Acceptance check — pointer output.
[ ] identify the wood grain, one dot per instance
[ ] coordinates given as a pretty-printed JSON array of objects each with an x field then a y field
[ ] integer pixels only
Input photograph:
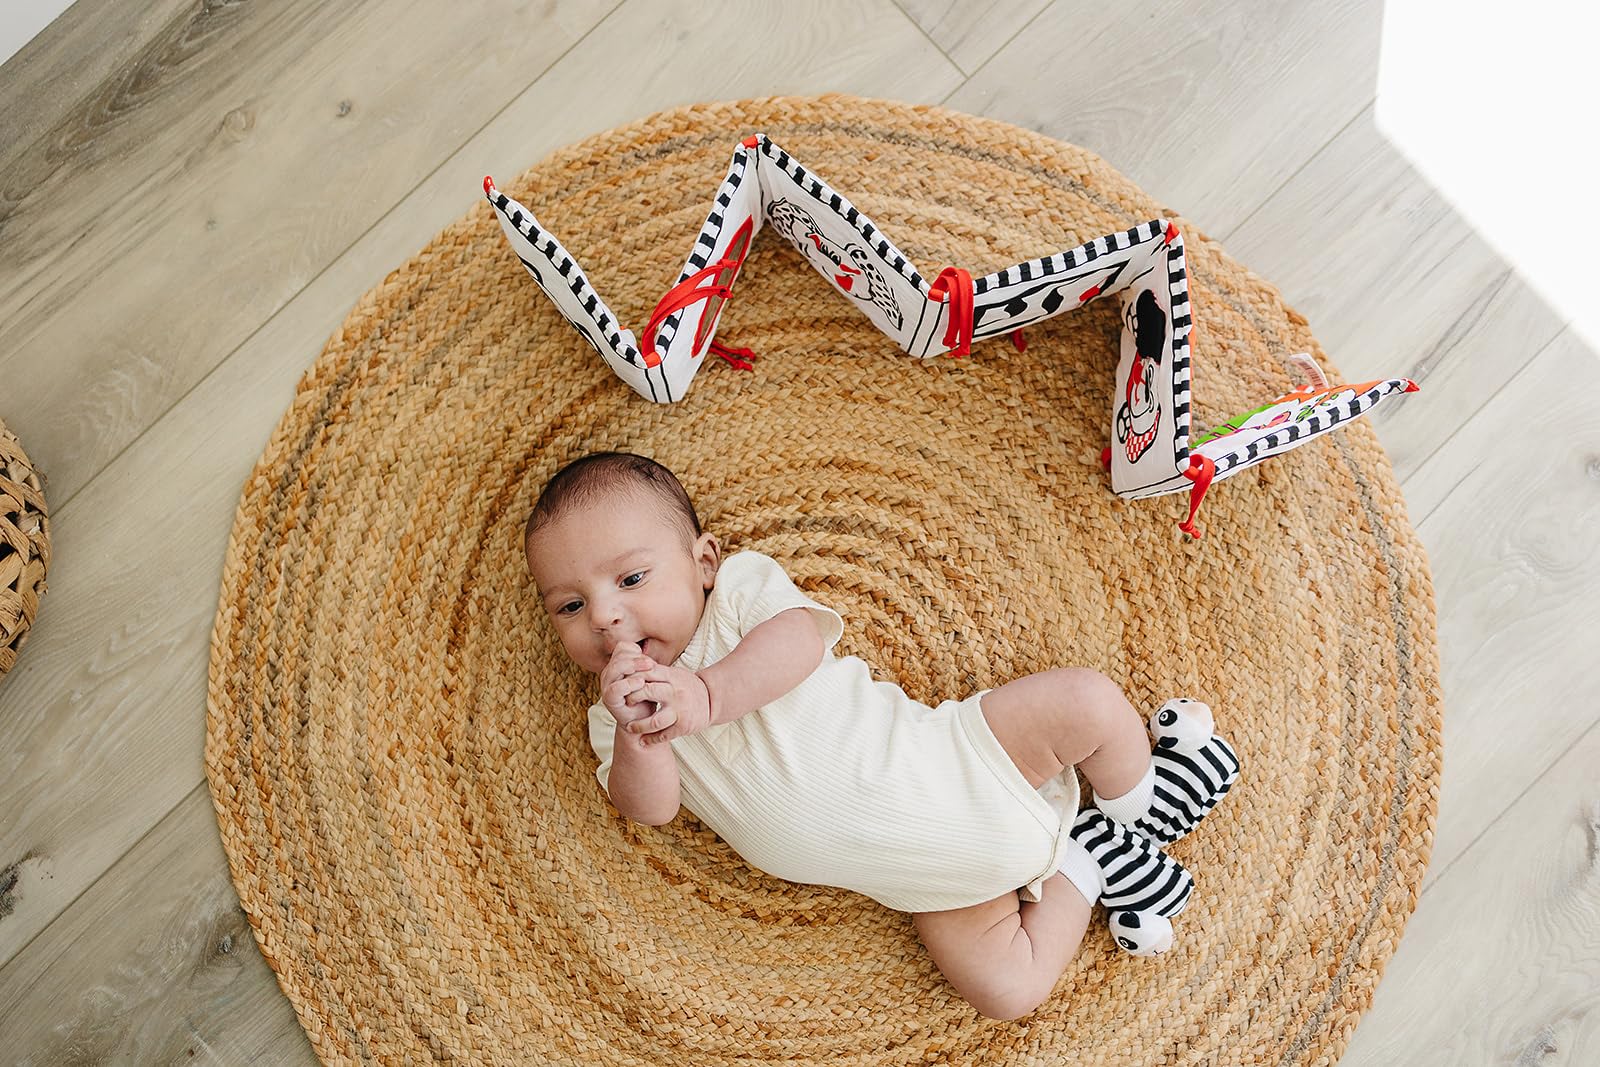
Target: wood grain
[
  {"x": 105, "y": 714},
  {"x": 1511, "y": 543},
  {"x": 190, "y": 193},
  {"x": 53, "y": 72},
  {"x": 157, "y": 354},
  {"x": 156, "y": 963},
  {"x": 1208, "y": 108},
  {"x": 1501, "y": 961},
  {"x": 970, "y": 34}
]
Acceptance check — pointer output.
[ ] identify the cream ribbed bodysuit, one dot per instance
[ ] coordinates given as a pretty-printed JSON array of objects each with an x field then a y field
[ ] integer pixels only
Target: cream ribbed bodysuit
[{"x": 846, "y": 781}]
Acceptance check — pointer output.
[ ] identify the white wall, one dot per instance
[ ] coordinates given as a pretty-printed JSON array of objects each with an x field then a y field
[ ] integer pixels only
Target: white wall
[
  {"x": 21, "y": 21},
  {"x": 1497, "y": 105}
]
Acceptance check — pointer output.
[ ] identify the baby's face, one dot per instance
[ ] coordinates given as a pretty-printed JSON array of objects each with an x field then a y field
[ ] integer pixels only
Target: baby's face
[{"x": 615, "y": 570}]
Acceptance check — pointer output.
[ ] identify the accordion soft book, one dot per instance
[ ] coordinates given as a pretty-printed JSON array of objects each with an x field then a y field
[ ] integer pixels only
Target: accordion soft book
[{"x": 1151, "y": 453}]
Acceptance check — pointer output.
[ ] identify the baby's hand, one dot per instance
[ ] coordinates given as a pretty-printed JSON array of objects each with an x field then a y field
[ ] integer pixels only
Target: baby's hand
[
  {"x": 682, "y": 705},
  {"x": 621, "y": 679}
]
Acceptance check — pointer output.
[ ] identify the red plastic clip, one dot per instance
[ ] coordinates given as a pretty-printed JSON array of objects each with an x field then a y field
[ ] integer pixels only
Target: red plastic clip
[
  {"x": 1020, "y": 341},
  {"x": 1201, "y": 471}
]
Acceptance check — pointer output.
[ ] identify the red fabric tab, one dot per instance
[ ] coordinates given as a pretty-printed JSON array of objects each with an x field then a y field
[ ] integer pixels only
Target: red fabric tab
[
  {"x": 732, "y": 354},
  {"x": 680, "y": 296},
  {"x": 954, "y": 286},
  {"x": 1201, "y": 471}
]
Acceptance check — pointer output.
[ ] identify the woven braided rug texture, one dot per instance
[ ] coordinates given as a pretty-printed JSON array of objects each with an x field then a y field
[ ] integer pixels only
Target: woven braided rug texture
[{"x": 396, "y": 743}]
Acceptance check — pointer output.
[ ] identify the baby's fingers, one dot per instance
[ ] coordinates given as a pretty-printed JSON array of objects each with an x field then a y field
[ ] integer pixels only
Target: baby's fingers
[
  {"x": 650, "y": 691},
  {"x": 659, "y": 721},
  {"x": 623, "y": 692}
]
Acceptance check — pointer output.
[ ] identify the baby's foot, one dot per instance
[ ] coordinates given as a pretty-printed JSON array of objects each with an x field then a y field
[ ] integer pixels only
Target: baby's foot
[
  {"x": 1194, "y": 769},
  {"x": 1136, "y": 875},
  {"x": 1140, "y": 933}
]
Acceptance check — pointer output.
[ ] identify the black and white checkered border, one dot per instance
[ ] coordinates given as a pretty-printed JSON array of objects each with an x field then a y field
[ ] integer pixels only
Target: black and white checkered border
[
  {"x": 546, "y": 245},
  {"x": 823, "y": 194},
  {"x": 1182, "y": 325},
  {"x": 706, "y": 244},
  {"x": 1071, "y": 259},
  {"x": 1297, "y": 433},
  {"x": 998, "y": 289}
]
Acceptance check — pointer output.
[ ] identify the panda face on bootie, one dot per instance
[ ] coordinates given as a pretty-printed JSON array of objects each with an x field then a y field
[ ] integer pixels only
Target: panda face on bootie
[
  {"x": 1141, "y": 933},
  {"x": 1183, "y": 721}
]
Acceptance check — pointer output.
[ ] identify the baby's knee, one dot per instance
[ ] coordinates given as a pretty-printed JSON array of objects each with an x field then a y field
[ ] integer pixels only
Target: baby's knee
[
  {"x": 1010, "y": 1006},
  {"x": 1087, "y": 691}
]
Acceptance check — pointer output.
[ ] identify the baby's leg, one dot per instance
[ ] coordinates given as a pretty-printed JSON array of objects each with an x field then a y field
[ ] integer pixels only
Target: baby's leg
[
  {"x": 1005, "y": 956},
  {"x": 1070, "y": 716}
]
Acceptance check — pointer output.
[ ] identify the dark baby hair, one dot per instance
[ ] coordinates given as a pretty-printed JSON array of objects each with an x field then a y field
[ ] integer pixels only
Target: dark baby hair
[{"x": 599, "y": 473}]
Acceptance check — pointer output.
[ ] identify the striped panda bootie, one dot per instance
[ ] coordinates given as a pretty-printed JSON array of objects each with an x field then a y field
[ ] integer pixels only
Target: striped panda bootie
[
  {"x": 1190, "y": 770},
  {"x": 1194, "y": 769},
  {"x": 1141, "y": 886}
]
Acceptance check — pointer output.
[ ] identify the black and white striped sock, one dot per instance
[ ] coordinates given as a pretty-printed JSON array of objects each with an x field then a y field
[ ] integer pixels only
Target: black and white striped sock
[
  {"x": 1194, "y": 769},
  {"x": 1137, "y": 876}
]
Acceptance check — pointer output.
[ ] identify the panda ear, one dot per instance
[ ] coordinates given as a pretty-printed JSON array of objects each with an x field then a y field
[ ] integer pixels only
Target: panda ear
[{"x": 1130, "y": 919}]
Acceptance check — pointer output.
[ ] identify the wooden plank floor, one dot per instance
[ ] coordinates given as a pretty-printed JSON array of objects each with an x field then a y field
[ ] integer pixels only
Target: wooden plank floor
[{"x": 192, "y": 197}]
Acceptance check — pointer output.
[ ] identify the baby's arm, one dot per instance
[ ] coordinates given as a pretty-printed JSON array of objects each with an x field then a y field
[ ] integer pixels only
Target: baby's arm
[
  {"x": 644, "y": 779},
  {"x": 773, "y": 658},
  {"x": 643, "y": 784}
]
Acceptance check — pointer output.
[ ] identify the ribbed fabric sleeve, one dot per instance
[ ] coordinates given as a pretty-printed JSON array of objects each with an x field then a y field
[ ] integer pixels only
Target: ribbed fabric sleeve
[{"x": 758, "y": 588}]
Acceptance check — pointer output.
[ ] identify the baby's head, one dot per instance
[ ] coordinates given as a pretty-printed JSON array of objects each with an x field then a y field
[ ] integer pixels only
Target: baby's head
[{"x": 616, "y": 551}]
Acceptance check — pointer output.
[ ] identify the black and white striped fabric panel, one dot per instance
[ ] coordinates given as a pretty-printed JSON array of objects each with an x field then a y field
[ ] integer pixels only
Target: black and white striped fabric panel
[
  {"x": 1150, "y": 423},
  {"x": 738, "y": 199},
  {"x": 1249, "y": 446},
  {"x": 558, "y": 274},
  {"x": 843, "y": 245},
  {"x": 1031, "y": 292},
  {"x": 1182, "y": 326}
]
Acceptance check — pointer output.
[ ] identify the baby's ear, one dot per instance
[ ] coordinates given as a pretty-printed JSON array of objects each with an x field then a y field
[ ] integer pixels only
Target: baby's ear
[{"x": 709, "y": 555}]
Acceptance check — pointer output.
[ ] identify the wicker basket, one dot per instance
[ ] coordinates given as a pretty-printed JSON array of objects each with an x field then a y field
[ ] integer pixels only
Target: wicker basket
[{"x": 24, "y": 546}]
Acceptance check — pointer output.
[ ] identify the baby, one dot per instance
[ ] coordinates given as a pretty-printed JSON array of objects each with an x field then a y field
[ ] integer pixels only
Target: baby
[{"x": 719, "y": 690}]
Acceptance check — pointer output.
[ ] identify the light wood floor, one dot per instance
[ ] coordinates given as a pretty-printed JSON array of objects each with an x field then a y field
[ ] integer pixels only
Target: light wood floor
[{"x": 193, "y": 196}]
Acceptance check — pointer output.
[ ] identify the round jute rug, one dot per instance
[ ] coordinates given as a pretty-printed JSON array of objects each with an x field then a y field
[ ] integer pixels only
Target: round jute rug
[{"x": 396, "y": 744}]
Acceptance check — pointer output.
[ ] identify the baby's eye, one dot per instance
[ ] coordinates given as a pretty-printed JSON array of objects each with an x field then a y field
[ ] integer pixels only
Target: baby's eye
[
  {"x": 635, "y": 574},
  {"x": 563, "y": 609}
]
